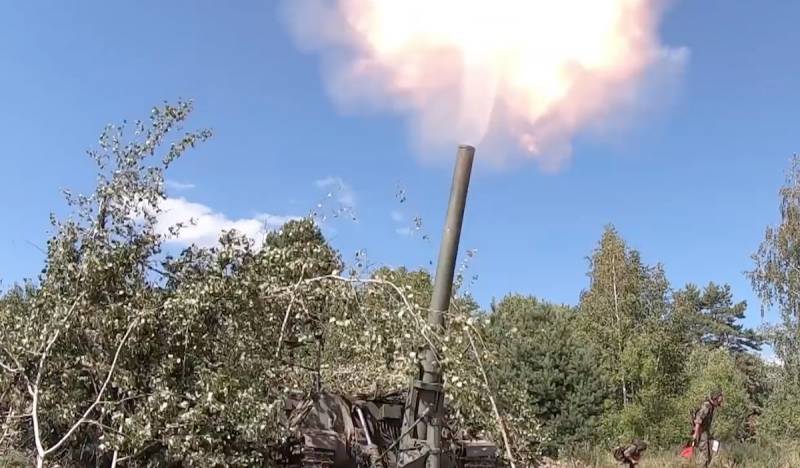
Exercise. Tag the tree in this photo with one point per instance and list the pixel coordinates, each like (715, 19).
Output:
(205, 380)
(656, 362)
(710, 318)
(222, 333)
(624, 296)
(65, 337)
(780, 419)
(716, 369)
(776, 279)
(776, 275)
(545, 357)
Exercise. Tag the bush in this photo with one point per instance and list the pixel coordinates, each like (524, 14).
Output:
(781, 415)
(716, 369)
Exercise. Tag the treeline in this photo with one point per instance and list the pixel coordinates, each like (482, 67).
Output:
(634, 357)
(123, 352)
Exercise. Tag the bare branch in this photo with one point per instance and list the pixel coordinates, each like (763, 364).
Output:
(123, 400)
(99, 397)
(15, 370)
(288, 312)
(7, 427)
(17, 416)
(422, 327)
(49, 343)
(9, 369)
(94, 422)
(500, 423)
(33, 389)
(159, 271)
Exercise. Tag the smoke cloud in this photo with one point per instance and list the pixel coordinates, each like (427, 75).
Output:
(522, 77)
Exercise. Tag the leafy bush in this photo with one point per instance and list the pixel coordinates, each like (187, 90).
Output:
(716, 369)
(781, 415)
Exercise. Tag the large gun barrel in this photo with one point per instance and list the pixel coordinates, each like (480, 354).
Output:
(433, 402)
(448, 251)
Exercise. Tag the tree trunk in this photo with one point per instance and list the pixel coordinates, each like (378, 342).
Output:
(620, 339)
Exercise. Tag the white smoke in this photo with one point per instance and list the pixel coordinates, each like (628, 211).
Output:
(522, 77)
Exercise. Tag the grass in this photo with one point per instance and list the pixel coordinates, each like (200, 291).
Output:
(749, 455)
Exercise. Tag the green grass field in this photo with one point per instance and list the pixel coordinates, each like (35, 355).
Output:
(779, 455)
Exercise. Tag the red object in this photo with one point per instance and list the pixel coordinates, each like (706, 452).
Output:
(687, 452)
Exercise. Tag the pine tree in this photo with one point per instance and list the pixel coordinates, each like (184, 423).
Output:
(544, 355)
(712, 318)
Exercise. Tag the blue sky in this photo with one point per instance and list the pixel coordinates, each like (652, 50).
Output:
(692, 187)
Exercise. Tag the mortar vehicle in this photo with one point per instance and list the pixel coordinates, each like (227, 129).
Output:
(334, 431)
(407, 428)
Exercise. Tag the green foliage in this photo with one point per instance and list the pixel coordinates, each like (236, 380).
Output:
(121, 348)
(716, 369)
(543, 354)
(776, 276)
(657, 359)
(645, 335)
(666, 421)
(780, 419)
(710, 317)
(624, 296)
(62, 335)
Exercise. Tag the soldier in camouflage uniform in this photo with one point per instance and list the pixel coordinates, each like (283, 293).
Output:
(630, 455)
(701, 431)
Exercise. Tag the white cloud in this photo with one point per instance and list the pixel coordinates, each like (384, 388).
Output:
(177, 185)
(398, 217)
(343, 192)
(208, 224)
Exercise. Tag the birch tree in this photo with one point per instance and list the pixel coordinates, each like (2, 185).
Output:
(776, 273)
(127, 352)
(614, 306)
(70, 373)
(776, 280)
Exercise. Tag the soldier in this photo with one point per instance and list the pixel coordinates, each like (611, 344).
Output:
(701, 431)
(630, 455)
